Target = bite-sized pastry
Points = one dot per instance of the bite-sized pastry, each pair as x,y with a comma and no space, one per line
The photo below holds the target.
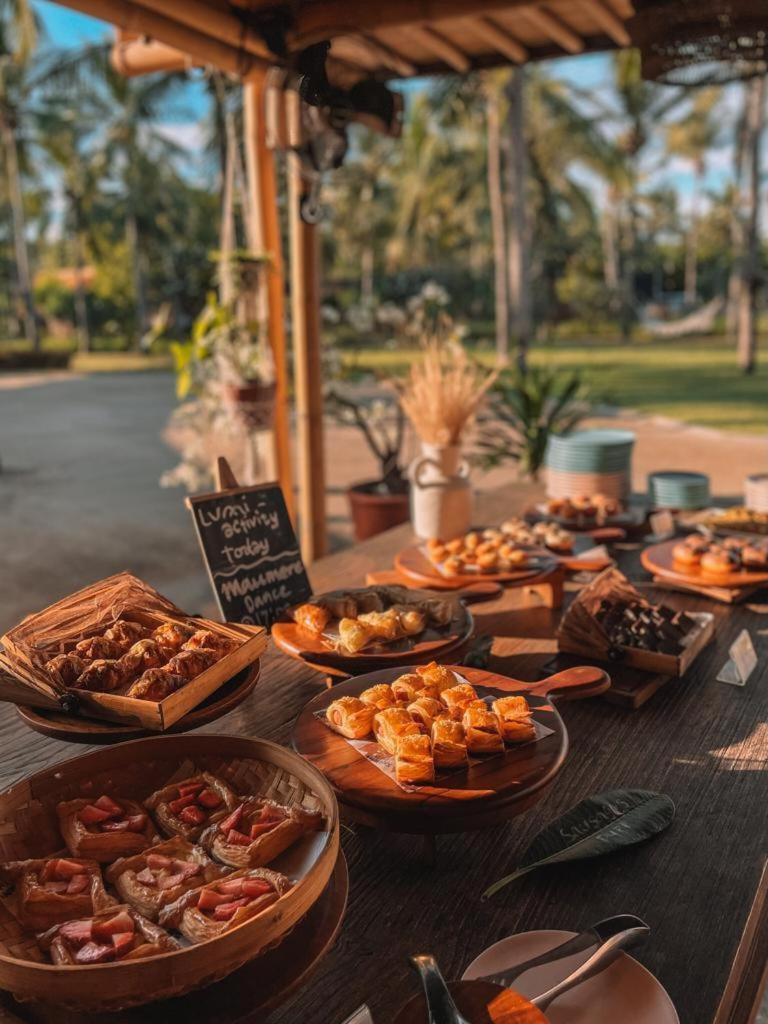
413,760
382,625
156,684
458,696
173,634
719,561
146,654
188,807
103,676
558,540
754,557
211,641
114,935
424,710
190,664
436,678
481,729
65,669
380,696
257,831
449,745
354,635
406,687
413,620
98,647
215,908
351,717
392,724
126,633
452,566
105,828
515,722
50,890
312,617
686,554
151,880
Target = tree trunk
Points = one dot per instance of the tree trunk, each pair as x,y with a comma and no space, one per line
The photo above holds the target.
81,305
749,277
692,246
19,236
519,248
139,297
498,223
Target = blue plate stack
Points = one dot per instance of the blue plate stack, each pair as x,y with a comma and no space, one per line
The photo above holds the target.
678,490
589,462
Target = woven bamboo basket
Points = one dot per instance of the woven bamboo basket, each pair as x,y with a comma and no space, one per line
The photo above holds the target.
28,828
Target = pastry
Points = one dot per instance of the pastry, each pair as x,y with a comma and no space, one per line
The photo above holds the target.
145,654
207,912
390,725
98,647
103,676
312,617
458,696
151,880
126,633
105,828
436,678
156,684
55,889
719,561
188,807
412,619
687,553
413,760
380,696
482,732
257,831
113,935
65,669
424,710
449,746
382,625
515,722
354,635
173,634
190,664
406,687
211,641
754,557
351,717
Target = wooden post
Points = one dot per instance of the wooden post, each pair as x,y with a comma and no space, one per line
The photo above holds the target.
305,318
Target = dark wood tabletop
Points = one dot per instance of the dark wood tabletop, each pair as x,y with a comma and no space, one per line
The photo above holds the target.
702,742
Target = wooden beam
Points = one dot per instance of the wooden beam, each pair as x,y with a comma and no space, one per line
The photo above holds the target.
499,38
613,26
553,28
214,22
307,370
624,8
386,55
132,57
443,48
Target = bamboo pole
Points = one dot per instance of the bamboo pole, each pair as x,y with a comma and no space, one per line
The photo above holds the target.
305,318
133,57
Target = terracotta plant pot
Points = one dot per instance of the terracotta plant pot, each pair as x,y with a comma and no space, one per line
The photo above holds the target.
374,511
253,402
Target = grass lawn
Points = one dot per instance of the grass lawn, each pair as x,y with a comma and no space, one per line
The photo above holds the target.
695,379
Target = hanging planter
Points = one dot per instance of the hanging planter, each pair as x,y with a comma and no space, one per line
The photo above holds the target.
250,402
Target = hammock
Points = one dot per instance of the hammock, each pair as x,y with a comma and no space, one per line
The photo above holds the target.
701,321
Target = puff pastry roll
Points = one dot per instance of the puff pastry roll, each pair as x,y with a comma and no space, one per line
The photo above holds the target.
55,889
98,647
413,760
515,720
392,724
449,746
215,908
173,634
412,619
382,625
103,676
406,687
424,710
458,696
257,831
106,828
312,617
380,696
156,684
211,641
481,728
190,664
188,807
159,876
436,678
65,669
114,935
354,635
350,717
145,654
126,633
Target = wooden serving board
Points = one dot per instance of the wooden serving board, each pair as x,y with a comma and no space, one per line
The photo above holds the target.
413,563
658,560
482,795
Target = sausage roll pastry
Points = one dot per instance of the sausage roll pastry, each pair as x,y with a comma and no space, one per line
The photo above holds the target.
113,935
458,696
515,720
156,684
98,647
412,619
413,760
173,634
380,696
55,889
354,635
126,633
382,625
449,746
424,710
312,617
210,641
106,828
188,807
390,725
406,687
159,876
145,654
103,676
65,669
481,728
351,717
257,831
190,664
436,678
215,908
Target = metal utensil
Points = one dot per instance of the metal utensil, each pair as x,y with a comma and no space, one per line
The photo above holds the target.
594,936
440,1004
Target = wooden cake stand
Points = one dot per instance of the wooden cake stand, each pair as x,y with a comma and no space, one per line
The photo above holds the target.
731,587
481,796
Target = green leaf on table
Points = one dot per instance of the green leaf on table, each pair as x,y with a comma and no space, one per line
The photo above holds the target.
601,824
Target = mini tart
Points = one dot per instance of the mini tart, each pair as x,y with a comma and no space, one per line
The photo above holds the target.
105,828
257,831
350,717
379,696
55,889
186,808
157,877
215,908
112,936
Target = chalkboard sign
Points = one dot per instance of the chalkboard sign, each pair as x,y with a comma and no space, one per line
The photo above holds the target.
251,552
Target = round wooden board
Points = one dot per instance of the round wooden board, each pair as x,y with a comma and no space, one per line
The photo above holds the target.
76,729
485,794
413,563
658,560
245,996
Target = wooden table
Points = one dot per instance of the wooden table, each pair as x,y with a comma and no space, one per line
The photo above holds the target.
702,742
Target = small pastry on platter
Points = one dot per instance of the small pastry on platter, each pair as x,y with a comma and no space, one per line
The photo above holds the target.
382,625
515,722
754,557
719,561
257,831
688,553
482,732
190,664
188,807
449,745
98,647
424,710
65,669
156,684
379,696
173,634
311,617
103,676
218,906
413,620
105,828
211,641
407,687
413,760
458,696
126,633
436,678
351,717
392,724
114,935
151,880
50,890
354,635
145,654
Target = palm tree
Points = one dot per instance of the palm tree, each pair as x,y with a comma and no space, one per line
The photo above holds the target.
492,90
517,202
748,263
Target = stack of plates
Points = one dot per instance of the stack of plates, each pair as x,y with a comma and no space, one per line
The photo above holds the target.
756,492
678,490
590,462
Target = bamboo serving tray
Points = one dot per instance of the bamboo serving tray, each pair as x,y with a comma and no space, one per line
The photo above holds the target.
28,828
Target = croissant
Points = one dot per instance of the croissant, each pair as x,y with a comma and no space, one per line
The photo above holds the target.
413,760
211,641
412,619
113,935
437,677
312,617
156,684
145,654
458,696
424,710
103,676
126,633
449,747
515,720
406,687
257,831
65,669
191,663
351,717
188,807
98,647
380,696
55,889
173,634
390,725
481,728
105,828
354,635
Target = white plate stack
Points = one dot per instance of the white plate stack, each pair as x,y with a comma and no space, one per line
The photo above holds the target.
756,492
590,462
